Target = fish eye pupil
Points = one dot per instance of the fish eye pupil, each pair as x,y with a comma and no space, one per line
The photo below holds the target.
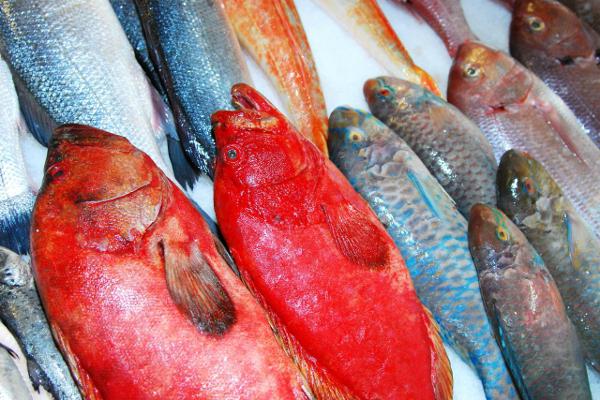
232,154
355,137
536,24
384,92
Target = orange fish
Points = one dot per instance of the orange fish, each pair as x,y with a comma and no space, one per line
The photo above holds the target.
368,24
140,300
320,261
272,32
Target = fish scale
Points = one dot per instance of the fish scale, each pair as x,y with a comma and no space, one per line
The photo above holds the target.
432,242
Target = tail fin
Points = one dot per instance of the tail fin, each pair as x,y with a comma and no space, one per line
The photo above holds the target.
15,222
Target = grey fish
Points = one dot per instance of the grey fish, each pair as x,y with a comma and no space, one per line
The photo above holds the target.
430,233
22,313
534,201
199,60
16,194
524,305
12,385
72,63
449,144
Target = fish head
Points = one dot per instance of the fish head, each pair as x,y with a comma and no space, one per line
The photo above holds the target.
548,27
481,77
394,96
357,140
524,186
494,240
256,144
107,190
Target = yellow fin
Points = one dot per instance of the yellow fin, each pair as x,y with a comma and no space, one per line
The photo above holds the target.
440,365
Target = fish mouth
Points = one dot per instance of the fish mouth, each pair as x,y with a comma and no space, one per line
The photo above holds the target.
371,87
513,165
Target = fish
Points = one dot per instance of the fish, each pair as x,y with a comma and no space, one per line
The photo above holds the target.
570,250
198,59
547,38
524,306
22,313
587,10
72,63
430,233
272,33
16,190
365,20
12,385
140,301
451,146
515,110
446,18
320,262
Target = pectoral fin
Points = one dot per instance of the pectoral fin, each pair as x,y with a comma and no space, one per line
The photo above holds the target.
196,289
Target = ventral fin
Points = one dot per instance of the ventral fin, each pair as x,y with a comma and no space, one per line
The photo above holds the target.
441,371
356,236
196,289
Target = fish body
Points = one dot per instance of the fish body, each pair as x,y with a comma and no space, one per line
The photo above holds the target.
451,146
559,48
271,31
198,59
12,385
430,233
72,63
526,310
446,18
365,20
587,10
321,263
140,301
534,201
21,312
515,110
16,193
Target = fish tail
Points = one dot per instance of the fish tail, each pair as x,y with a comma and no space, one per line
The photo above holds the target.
185,172
16,222
495,377
441,372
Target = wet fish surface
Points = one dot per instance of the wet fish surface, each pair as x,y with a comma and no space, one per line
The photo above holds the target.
534,201
21,312
198,59
321,263
128,271
515,110
429,231
12,385
564,52
451,146
526,310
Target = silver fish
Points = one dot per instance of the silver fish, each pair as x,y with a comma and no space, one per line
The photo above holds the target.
22,313
12,385
199,59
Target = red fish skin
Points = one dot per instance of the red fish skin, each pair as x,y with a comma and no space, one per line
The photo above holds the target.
446,18
354,312
106,295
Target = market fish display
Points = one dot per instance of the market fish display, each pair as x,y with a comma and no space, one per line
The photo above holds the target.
16,193
534,201
563,51
447,18
313,252
198,59
368,24
22,313
449,144
271,31
430,233
526,310
587,10
138,298
515,110
72,63
12,385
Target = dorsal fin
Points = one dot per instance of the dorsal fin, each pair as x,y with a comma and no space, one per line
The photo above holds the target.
356,236
196,289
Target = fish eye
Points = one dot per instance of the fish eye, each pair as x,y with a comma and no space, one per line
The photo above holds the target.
471,71
528,186
384,92
356,137
232,154
501,234
536,24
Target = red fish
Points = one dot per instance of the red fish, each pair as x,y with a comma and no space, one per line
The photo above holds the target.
139,299
316,256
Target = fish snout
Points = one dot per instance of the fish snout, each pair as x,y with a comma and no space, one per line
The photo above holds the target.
370,89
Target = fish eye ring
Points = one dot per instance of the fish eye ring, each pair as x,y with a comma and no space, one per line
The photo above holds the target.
355,137
471,72
536,24
232,154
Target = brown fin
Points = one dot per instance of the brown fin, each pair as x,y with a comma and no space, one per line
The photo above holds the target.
441,375
196,289
83,379
357,237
